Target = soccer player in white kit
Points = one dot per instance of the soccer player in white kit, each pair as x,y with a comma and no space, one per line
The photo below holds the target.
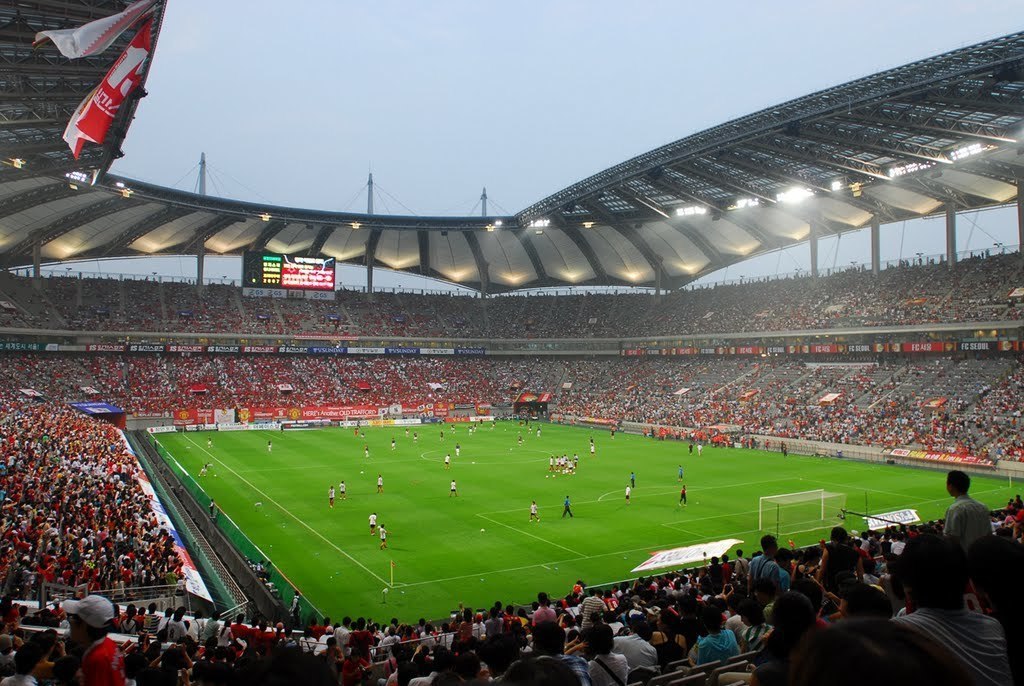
700,449
330,496
380,483
534,517
593,449
551,463
458,449
392,442
270,446
628,491
341,490
454,491
366,451
209,443
448,461
373,523
383,537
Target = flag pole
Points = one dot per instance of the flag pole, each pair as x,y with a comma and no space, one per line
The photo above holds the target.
392,574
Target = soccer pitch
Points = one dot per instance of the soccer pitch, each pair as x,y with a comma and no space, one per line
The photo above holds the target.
481,547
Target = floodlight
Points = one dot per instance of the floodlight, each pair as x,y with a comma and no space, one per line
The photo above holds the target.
837,184
794,195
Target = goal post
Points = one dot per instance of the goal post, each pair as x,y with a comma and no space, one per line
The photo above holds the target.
788,513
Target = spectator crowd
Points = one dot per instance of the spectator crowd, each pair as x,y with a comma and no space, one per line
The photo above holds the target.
974,290
937,602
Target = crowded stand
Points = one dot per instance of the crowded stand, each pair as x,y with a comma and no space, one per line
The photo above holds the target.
782,615
73,512
976,289
959,406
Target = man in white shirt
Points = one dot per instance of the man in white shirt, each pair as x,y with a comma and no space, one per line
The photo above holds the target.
637,651
342,633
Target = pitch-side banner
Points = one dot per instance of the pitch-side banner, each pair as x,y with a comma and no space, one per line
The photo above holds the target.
679,557
929,456
888,519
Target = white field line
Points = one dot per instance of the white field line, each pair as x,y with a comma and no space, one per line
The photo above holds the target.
527,533
288,512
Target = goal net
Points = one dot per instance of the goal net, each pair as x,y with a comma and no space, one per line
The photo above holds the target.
790,513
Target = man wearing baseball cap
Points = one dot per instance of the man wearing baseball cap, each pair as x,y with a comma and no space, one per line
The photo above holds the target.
91,619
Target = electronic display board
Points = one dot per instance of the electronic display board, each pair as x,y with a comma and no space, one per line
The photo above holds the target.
287,272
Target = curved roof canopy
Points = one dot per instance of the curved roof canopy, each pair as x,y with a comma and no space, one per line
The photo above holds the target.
904,143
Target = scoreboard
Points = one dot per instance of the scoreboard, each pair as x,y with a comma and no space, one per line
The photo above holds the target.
268,270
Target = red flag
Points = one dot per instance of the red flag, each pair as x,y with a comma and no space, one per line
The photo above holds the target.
93,119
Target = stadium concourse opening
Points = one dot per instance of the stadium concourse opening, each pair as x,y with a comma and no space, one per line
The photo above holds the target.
197,475
531,405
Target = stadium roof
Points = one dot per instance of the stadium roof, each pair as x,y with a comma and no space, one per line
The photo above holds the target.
908,142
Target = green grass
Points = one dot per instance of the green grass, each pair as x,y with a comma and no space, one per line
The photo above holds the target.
441,555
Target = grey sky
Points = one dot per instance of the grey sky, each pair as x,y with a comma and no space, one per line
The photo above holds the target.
294,102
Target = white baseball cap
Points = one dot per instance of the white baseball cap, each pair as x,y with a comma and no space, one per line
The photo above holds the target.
94,610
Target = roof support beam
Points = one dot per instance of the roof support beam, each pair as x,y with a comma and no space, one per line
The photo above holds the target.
825,160
652,258
19,202
72,221
966,131
209,230
154,221
321,238
987,105
882,145
423,240
717,180
481,263
531,251
272,228
588,252
862,203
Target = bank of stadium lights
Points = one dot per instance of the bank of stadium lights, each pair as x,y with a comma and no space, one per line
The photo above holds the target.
794,195
355,225
498,223
76,177
17,162
837,185
588,225
966,151
265,217
908,168
489,228
747,202
540,224
691,211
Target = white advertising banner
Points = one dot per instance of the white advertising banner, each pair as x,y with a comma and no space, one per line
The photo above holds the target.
680,557
882,521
